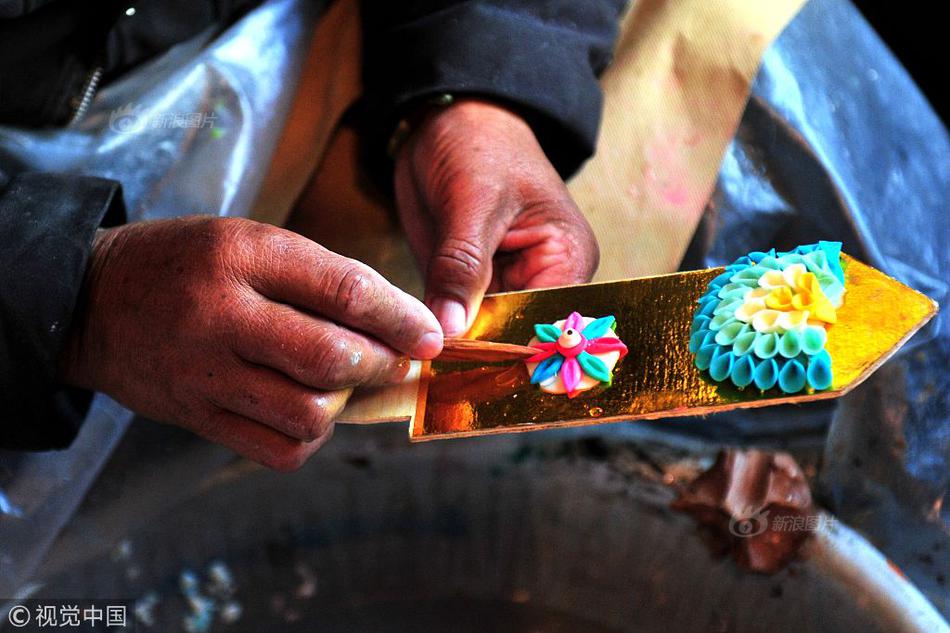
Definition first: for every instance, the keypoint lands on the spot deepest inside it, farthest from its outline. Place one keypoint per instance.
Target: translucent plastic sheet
(191, 132)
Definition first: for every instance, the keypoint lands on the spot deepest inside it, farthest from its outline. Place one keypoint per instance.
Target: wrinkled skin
(485, 211)
(254, 337)
(249, 335)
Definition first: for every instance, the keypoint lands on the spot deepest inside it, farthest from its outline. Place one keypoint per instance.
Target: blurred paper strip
(674, 95)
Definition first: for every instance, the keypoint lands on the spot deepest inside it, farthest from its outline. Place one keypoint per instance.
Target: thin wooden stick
(463, 349)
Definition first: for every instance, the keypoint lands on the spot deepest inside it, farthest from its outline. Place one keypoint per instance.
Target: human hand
(249, 335)
(485, 211)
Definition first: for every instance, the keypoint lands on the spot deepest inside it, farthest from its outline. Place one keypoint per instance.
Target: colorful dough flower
(574, 354)
(765, 319)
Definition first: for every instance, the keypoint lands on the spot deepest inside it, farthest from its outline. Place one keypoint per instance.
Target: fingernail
(428, 346)
(451, 314)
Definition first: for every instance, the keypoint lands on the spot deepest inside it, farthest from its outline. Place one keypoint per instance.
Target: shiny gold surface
(657, 379)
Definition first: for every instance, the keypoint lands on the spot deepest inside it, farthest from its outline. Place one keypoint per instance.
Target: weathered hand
(249, 335)
(484, 210)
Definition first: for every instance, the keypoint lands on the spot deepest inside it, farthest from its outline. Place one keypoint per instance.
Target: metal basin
(512, 533)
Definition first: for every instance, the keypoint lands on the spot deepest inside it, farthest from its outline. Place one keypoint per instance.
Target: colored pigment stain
(666, 169)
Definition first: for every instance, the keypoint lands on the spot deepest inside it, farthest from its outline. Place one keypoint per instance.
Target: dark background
(918, 37)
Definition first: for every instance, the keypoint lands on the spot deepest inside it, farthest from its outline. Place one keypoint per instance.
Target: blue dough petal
(546, 369)
(704, 356)
(833, 251)
(743, 371)
(699, 323)
(791, 379)
(707, 309)
(722, 279)
(721, 366)
(765, 345)
(743, 343)
(790, 344)
(819, 371)
(813, 339)
(696, 341)
(766, 374)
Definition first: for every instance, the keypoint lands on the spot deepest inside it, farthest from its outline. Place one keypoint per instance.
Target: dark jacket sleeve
(540, 56)
(47, 223)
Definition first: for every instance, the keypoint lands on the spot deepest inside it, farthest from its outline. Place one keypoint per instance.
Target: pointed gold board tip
(657, 379)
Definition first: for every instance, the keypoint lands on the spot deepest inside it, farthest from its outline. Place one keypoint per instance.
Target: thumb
(459, 272)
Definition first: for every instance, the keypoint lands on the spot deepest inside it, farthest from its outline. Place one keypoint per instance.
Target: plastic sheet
(190, 132)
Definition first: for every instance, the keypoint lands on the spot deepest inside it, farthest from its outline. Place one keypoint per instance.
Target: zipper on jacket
(84, 99)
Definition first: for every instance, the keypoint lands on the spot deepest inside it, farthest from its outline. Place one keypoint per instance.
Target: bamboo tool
(471, 350)
(657, 379)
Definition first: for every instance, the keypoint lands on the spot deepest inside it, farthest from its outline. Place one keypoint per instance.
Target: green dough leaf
(546, 333)
(593, 367)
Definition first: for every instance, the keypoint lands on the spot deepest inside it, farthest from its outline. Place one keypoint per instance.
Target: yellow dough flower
(809, 297)
(780, 298)
(786, 300)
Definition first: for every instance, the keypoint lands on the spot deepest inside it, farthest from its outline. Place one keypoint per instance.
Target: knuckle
(558, 211)
(458, 260)
(355, 289)
(332, 361)
(223, 242)
(239, 322)
(220, 234)
(567, 225)
(244, 249)
(278, 244)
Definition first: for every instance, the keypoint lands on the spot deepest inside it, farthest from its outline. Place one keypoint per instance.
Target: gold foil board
(657, 379)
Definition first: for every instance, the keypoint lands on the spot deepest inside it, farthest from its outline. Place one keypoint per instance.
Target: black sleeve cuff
(541, 58)
(47, 224)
